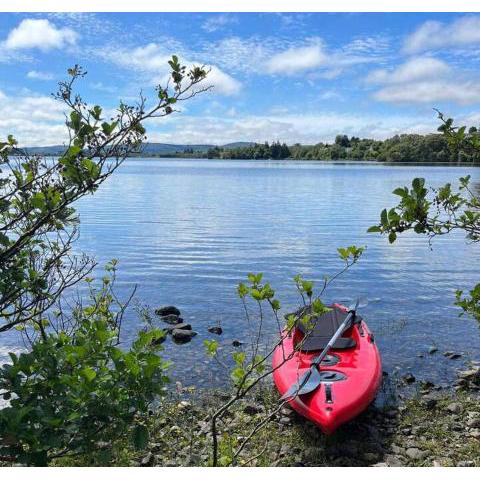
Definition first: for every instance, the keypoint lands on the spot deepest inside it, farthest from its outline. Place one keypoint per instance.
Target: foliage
(76, 387)
(250, 365)
(439, 211)
(37, 222)
(274, 151)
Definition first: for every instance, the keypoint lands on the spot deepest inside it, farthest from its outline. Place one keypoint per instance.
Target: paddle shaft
(318, 360)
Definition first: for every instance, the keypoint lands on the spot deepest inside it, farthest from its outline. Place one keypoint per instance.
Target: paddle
(311, 379)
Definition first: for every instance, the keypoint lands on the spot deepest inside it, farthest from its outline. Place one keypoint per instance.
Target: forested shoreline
(399, 148)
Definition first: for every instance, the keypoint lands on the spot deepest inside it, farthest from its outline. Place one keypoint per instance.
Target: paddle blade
(360, 302)
(308, 382)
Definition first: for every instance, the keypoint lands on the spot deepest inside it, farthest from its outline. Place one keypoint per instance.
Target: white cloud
(36, 75)
(218, 22)
(296, 60)
(33, 120)
(424, 80)
(434, 35)
(416, 69)
(433, 91)
(151, 59)
(41, 34)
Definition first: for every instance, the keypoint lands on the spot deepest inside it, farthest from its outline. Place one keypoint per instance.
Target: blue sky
(288, 77)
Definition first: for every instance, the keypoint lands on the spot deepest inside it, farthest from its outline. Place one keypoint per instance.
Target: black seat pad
(322, 328)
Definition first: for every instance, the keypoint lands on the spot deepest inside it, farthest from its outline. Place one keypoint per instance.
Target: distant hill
(148, 148)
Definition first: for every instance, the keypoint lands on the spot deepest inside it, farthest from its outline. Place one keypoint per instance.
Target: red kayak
(351, 373)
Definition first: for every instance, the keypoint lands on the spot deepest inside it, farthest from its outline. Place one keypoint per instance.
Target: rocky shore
(432, 427)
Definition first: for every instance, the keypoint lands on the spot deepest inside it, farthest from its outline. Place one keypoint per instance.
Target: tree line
(399, 148)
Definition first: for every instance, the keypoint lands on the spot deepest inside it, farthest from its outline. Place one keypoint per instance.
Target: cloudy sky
(288, 77)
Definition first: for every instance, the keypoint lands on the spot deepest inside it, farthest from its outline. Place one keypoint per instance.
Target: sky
(276, 76)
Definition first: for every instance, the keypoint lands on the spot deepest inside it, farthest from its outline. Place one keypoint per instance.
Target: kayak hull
(333, 403)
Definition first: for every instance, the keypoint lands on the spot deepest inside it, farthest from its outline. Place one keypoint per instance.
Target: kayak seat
(321, 329)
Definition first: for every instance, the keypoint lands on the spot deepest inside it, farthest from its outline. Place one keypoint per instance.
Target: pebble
(237, 343)
(454, 407)
(432, 350)
(147, 460)
(452, 355)
(178, 326)
(409, 378)
(473, 422)
(415, 453)
(215, 330)
(475, 433)
(466, 463)
(429, 402)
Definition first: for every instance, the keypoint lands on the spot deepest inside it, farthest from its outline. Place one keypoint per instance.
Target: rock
(452, 355)
(285, 421)
(394, 461)
(471, 375)
(237, 343)
(454, 407)
(432, 350)
(465, 463)
(167, 310)
(475, 433)
(172, 319)
(398, 450)
(177, 326)
(147, 460)
(436, 463)
(183, 336)
(252, 409)
(183, 405)
(473, 423)
(215, 330)
(429, 402)
(408, 378)
(380, 464)
(415, 453)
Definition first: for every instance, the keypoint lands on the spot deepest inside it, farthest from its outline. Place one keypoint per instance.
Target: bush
(76, 387)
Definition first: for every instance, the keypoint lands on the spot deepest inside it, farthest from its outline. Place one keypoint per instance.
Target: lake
(187, 231)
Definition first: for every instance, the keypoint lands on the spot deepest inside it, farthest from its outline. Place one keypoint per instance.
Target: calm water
(187, 231)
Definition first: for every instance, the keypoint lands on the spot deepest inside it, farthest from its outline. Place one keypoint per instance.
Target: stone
(409, 378)
(436, 463)
(452, 355)
(398, 450)
(415, 453)
(380, 464)
(167, 310)
(237, 343)
(432, 350)
(183, 336)
(285, 421)
(454, 407)
(471, 375)
(147, 460)
(465, 463)
(183, 405)
(394, 461)
(178, 326)
(252, 409)
(475, 433)
(172, 319)
(473, 422)
(429, 402)
(215, 330)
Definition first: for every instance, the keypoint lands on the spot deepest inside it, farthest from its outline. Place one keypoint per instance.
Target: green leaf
(392, 236)
(374, 229)
(88, 373)
(140, 437)
(384, 217)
